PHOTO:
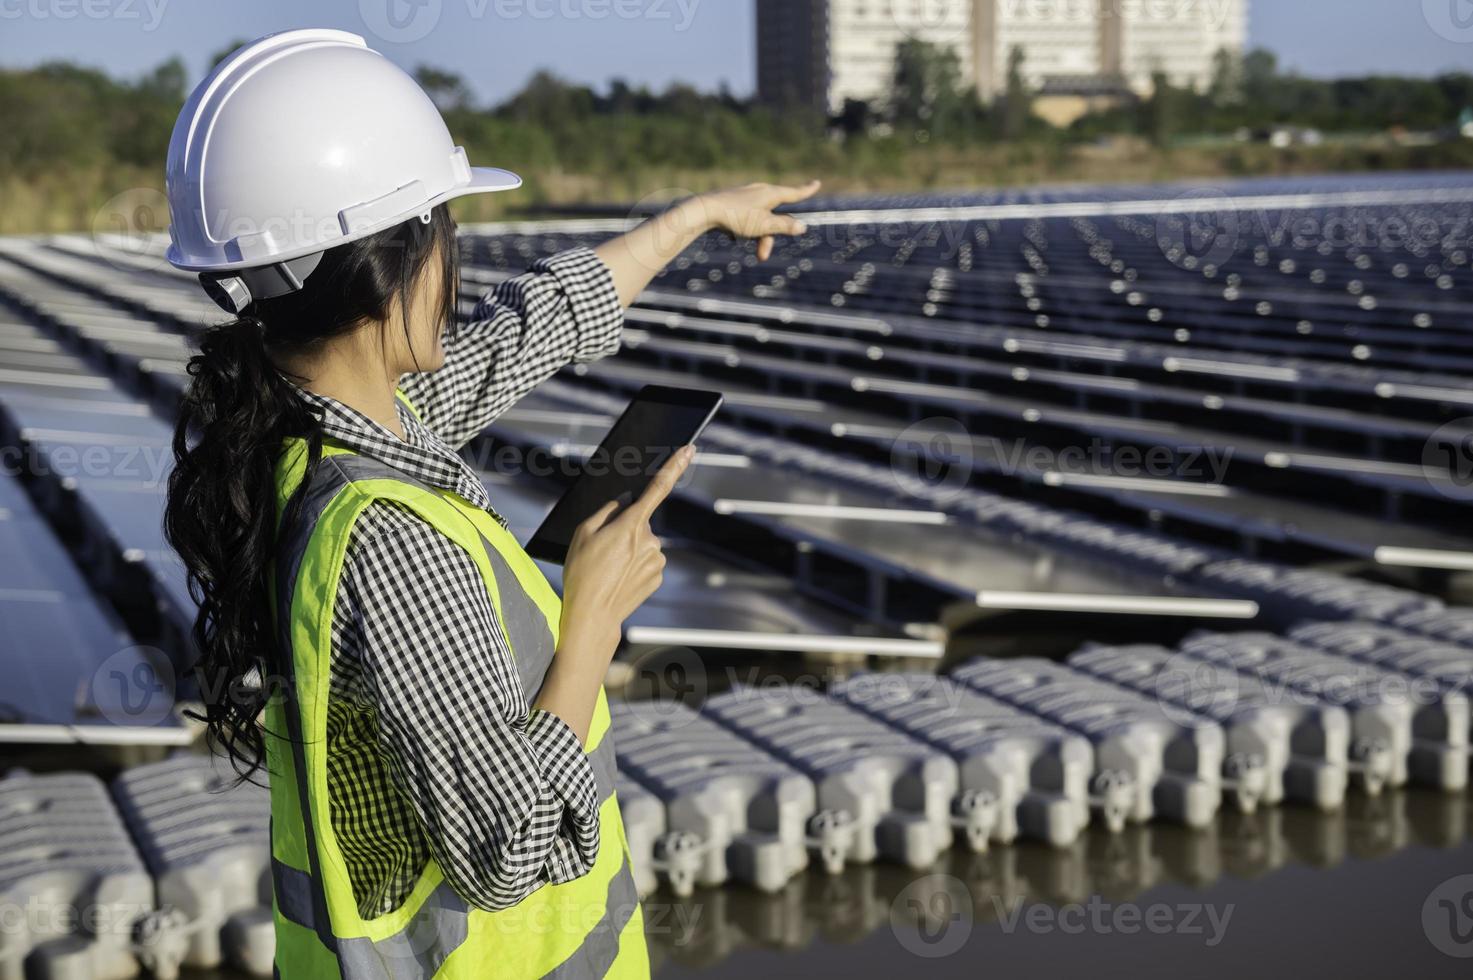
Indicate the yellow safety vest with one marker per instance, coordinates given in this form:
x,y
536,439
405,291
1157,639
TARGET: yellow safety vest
x,y
588,927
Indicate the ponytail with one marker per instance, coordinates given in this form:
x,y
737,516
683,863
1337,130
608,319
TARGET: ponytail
x,y
238,410
221,518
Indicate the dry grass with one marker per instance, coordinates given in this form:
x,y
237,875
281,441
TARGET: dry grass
x,y
89,199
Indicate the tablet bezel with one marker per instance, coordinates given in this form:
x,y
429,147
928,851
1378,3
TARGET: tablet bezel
x,y
556,552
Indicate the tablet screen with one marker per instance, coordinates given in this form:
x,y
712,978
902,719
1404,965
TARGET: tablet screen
x,y
656,424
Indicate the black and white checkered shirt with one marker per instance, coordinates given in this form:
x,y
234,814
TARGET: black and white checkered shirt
x,y
422,676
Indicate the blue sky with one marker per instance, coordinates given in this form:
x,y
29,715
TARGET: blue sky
x,y
496,44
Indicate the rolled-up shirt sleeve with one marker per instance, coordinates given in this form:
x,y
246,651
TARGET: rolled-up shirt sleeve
x,y
565,310
505,795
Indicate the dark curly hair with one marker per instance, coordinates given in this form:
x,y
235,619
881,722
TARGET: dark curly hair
x,y
236,413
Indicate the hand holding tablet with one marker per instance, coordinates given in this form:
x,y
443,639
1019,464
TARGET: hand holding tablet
x,y
658,422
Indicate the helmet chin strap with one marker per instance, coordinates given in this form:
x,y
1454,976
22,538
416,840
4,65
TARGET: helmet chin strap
x,y
234,291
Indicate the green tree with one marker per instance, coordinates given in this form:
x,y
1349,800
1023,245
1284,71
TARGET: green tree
x,y
623,100
1226,87
856,118
549,100
446,89
143,118
1017,100
1260,74
1165,110
166,82
227,51
927,94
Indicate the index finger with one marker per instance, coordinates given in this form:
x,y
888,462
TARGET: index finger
x,y
792,195
663,483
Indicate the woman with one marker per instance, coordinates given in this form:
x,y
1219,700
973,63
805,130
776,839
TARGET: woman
x,y
441,781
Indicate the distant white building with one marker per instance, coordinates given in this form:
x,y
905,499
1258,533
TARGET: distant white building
x,y
1178,37
863,36
819,53
1058,38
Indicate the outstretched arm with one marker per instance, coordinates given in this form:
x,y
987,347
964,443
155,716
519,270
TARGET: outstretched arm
x,y
569,308
637,257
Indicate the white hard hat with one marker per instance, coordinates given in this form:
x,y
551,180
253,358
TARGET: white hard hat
x,y
298,142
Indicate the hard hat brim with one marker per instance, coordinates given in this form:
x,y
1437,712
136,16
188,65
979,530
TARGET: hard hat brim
x,y
485,180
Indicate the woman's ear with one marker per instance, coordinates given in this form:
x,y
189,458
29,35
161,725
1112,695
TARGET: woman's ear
x,y
424,327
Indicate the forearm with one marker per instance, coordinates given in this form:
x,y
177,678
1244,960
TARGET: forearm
x,y
635,258
507,797
522,332
570,689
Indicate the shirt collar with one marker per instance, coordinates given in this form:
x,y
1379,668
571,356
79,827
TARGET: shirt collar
x,y
421,454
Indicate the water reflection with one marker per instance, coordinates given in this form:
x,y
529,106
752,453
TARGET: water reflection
x,y
712,925
815,918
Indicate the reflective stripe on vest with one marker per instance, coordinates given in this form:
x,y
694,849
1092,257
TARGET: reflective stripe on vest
x,y
442,925
585,928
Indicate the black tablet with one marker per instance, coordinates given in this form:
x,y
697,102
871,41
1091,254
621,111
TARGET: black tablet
x,y
658,423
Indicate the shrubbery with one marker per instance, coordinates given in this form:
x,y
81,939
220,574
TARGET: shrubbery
x,y
72,137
